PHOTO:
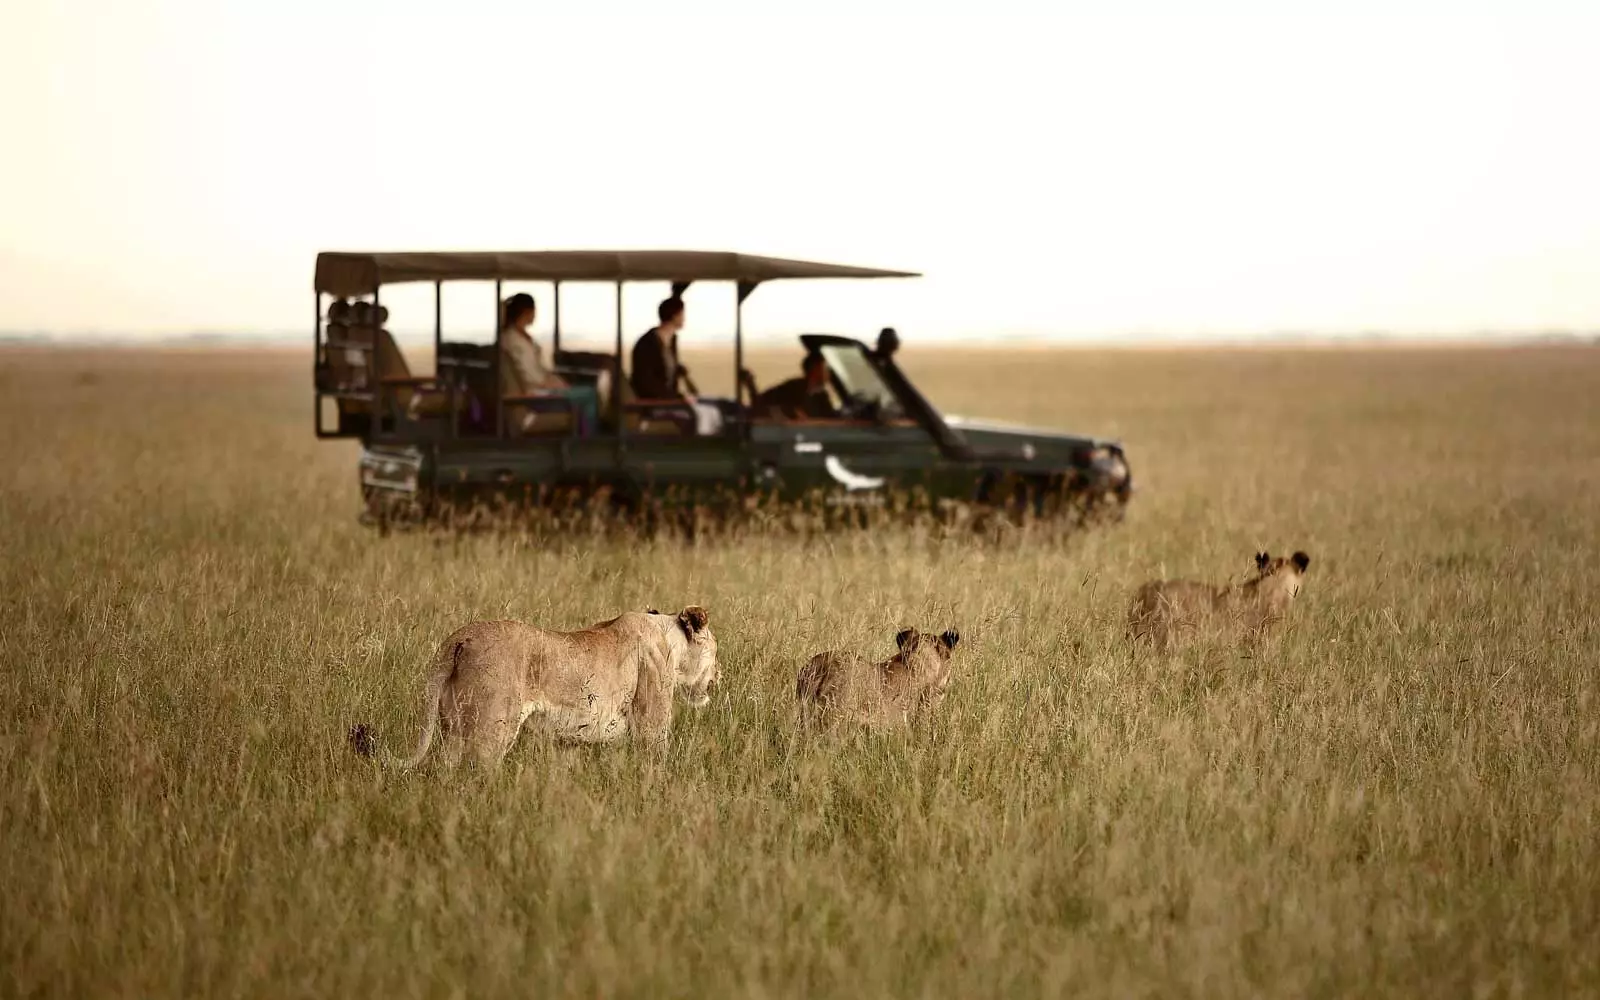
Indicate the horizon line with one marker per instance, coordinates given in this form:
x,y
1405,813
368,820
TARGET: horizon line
x,y
1368,338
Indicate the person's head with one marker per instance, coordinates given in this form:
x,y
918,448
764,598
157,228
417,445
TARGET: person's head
x,y
670,313
520,310
888,342
815,367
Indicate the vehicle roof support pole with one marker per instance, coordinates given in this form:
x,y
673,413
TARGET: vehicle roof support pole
x,y
499,323
316,364
555,338
744,290
372,366
616,383
452,383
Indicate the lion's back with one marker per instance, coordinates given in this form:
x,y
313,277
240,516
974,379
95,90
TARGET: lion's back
x,y
1161,606
1171,597
482,646
485,650
839,686
816,677
827,678
630,628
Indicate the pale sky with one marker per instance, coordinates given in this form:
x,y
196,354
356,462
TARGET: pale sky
x,y
1222,168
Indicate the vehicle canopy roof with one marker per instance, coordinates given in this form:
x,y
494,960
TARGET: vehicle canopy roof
x,y
355,274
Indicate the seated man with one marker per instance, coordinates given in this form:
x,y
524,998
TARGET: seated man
x,y
803,398
656,371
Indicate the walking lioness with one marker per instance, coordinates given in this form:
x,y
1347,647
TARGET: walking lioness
x,y
590,686
836,686
1164,608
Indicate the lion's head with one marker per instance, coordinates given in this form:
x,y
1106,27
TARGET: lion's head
x,y
927,656
1280,578
698,670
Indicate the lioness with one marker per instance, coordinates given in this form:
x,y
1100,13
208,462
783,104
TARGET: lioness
x,y
589,686
879,695
1163,608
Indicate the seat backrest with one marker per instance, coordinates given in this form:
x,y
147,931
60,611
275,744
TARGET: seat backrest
x,y
391,363
585,360
477,381
345,360
345,353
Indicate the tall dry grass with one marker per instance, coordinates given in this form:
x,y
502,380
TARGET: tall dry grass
x,y
1398,797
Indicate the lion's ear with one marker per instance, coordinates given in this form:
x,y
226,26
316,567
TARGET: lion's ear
x,y
694,619
651,611
950,639
1262,559
1301,561
904,638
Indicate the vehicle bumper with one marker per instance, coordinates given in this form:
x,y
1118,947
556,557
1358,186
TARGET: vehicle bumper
x,y
1110,472
391,470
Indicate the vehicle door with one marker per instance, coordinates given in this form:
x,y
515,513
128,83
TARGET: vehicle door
x,y
871,450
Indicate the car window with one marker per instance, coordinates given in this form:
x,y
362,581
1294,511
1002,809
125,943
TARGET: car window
x,y
862,384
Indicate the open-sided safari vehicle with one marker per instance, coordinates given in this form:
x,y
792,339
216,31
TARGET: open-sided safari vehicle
x,y
431,443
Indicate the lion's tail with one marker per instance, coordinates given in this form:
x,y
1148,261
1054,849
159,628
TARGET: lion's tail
x,y
445,664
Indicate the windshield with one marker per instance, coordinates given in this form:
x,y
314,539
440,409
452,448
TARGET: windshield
x,y
863,387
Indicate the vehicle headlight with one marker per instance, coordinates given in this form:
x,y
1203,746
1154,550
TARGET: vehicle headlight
x,y
1109,462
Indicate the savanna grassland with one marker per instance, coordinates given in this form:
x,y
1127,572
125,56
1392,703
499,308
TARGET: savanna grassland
x,y
1400,796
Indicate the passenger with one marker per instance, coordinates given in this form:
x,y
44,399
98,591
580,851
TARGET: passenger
x,y
803,398
522,367
656,370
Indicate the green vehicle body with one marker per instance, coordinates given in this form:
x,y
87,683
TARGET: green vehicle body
x,y
891,446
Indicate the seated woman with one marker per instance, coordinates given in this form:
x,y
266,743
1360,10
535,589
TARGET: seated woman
x,y
524,373
803,398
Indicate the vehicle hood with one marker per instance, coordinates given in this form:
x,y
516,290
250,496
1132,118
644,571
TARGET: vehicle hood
x,y
988,434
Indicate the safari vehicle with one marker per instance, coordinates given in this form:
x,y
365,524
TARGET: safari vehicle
x,y
431,443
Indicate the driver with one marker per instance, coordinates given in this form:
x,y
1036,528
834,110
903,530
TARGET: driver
x,y
888,343
803,398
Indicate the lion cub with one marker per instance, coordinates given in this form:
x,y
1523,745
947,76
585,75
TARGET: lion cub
x,y
1164,608
835,686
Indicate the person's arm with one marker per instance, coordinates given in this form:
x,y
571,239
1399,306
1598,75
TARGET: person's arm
x,y
683,373
747,383
528,361
520,375
781,402
548,379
